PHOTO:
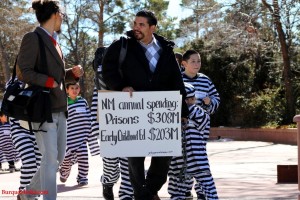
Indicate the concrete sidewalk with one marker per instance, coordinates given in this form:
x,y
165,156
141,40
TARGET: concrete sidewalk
x,y
242,170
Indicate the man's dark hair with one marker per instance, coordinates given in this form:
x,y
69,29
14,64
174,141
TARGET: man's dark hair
x,y
44,9
152,20
188,54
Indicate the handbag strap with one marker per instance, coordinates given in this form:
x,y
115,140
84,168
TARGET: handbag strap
x,y
43,69
14,71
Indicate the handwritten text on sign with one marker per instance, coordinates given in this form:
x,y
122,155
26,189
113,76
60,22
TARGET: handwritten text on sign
x,y
146,124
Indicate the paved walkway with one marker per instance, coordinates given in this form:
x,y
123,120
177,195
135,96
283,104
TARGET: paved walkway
x,y
242,171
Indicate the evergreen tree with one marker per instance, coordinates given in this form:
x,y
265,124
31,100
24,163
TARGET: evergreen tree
x,y
15,22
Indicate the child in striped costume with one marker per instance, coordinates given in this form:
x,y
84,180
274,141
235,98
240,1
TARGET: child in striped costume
x,y
79,125
112,167
8,153
206,94
25,143
194,160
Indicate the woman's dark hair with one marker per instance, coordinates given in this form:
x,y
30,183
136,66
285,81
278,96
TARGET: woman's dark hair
x,y
44,9
152,20
188,54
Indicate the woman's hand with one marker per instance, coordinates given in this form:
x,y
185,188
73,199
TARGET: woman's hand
x,y
77,71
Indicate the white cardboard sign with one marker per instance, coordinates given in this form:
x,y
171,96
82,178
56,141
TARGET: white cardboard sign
x,y
146,124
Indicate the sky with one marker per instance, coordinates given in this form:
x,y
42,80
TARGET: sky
x,y
174,10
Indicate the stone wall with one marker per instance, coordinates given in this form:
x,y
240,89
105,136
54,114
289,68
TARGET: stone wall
x,y
281,136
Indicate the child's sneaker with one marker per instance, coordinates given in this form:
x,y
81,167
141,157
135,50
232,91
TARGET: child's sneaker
x,y
82,183
61,178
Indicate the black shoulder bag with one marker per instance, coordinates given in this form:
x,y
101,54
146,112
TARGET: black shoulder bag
x,y
32,103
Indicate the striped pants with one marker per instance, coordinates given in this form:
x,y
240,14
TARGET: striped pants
x,y
204,186
25,143
198,187
112,167
81,156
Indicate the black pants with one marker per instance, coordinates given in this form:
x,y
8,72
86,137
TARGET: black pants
x,y
146,188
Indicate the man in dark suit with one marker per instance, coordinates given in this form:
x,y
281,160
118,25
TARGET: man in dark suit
x,y
150,65
50,137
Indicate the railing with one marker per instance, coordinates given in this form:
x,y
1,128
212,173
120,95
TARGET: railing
x,y
297,120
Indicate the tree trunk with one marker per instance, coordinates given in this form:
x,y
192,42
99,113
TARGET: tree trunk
x,y
4,63
101,24
287,75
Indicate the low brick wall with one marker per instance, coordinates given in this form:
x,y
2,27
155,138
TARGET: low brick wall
x,y
281,136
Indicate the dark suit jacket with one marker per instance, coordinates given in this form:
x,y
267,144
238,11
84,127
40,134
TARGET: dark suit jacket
x,y
29,56
135,70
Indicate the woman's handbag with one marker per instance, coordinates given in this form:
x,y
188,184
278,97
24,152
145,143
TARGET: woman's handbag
x,y
31,104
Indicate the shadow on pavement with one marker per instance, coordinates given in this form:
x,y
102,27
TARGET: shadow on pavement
x,y
61,188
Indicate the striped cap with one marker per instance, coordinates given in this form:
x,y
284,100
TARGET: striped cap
x,y
190,90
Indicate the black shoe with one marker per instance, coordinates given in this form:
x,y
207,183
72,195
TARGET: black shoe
x,y
108,193
201,196
156,197
188,196
12,169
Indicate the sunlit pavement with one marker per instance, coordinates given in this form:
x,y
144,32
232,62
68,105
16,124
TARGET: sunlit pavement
x,y
242,170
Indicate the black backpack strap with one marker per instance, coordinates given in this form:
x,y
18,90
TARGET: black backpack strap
x,y
99,55
123,52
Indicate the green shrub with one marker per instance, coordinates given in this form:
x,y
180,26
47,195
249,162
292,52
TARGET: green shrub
x,y
264,108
